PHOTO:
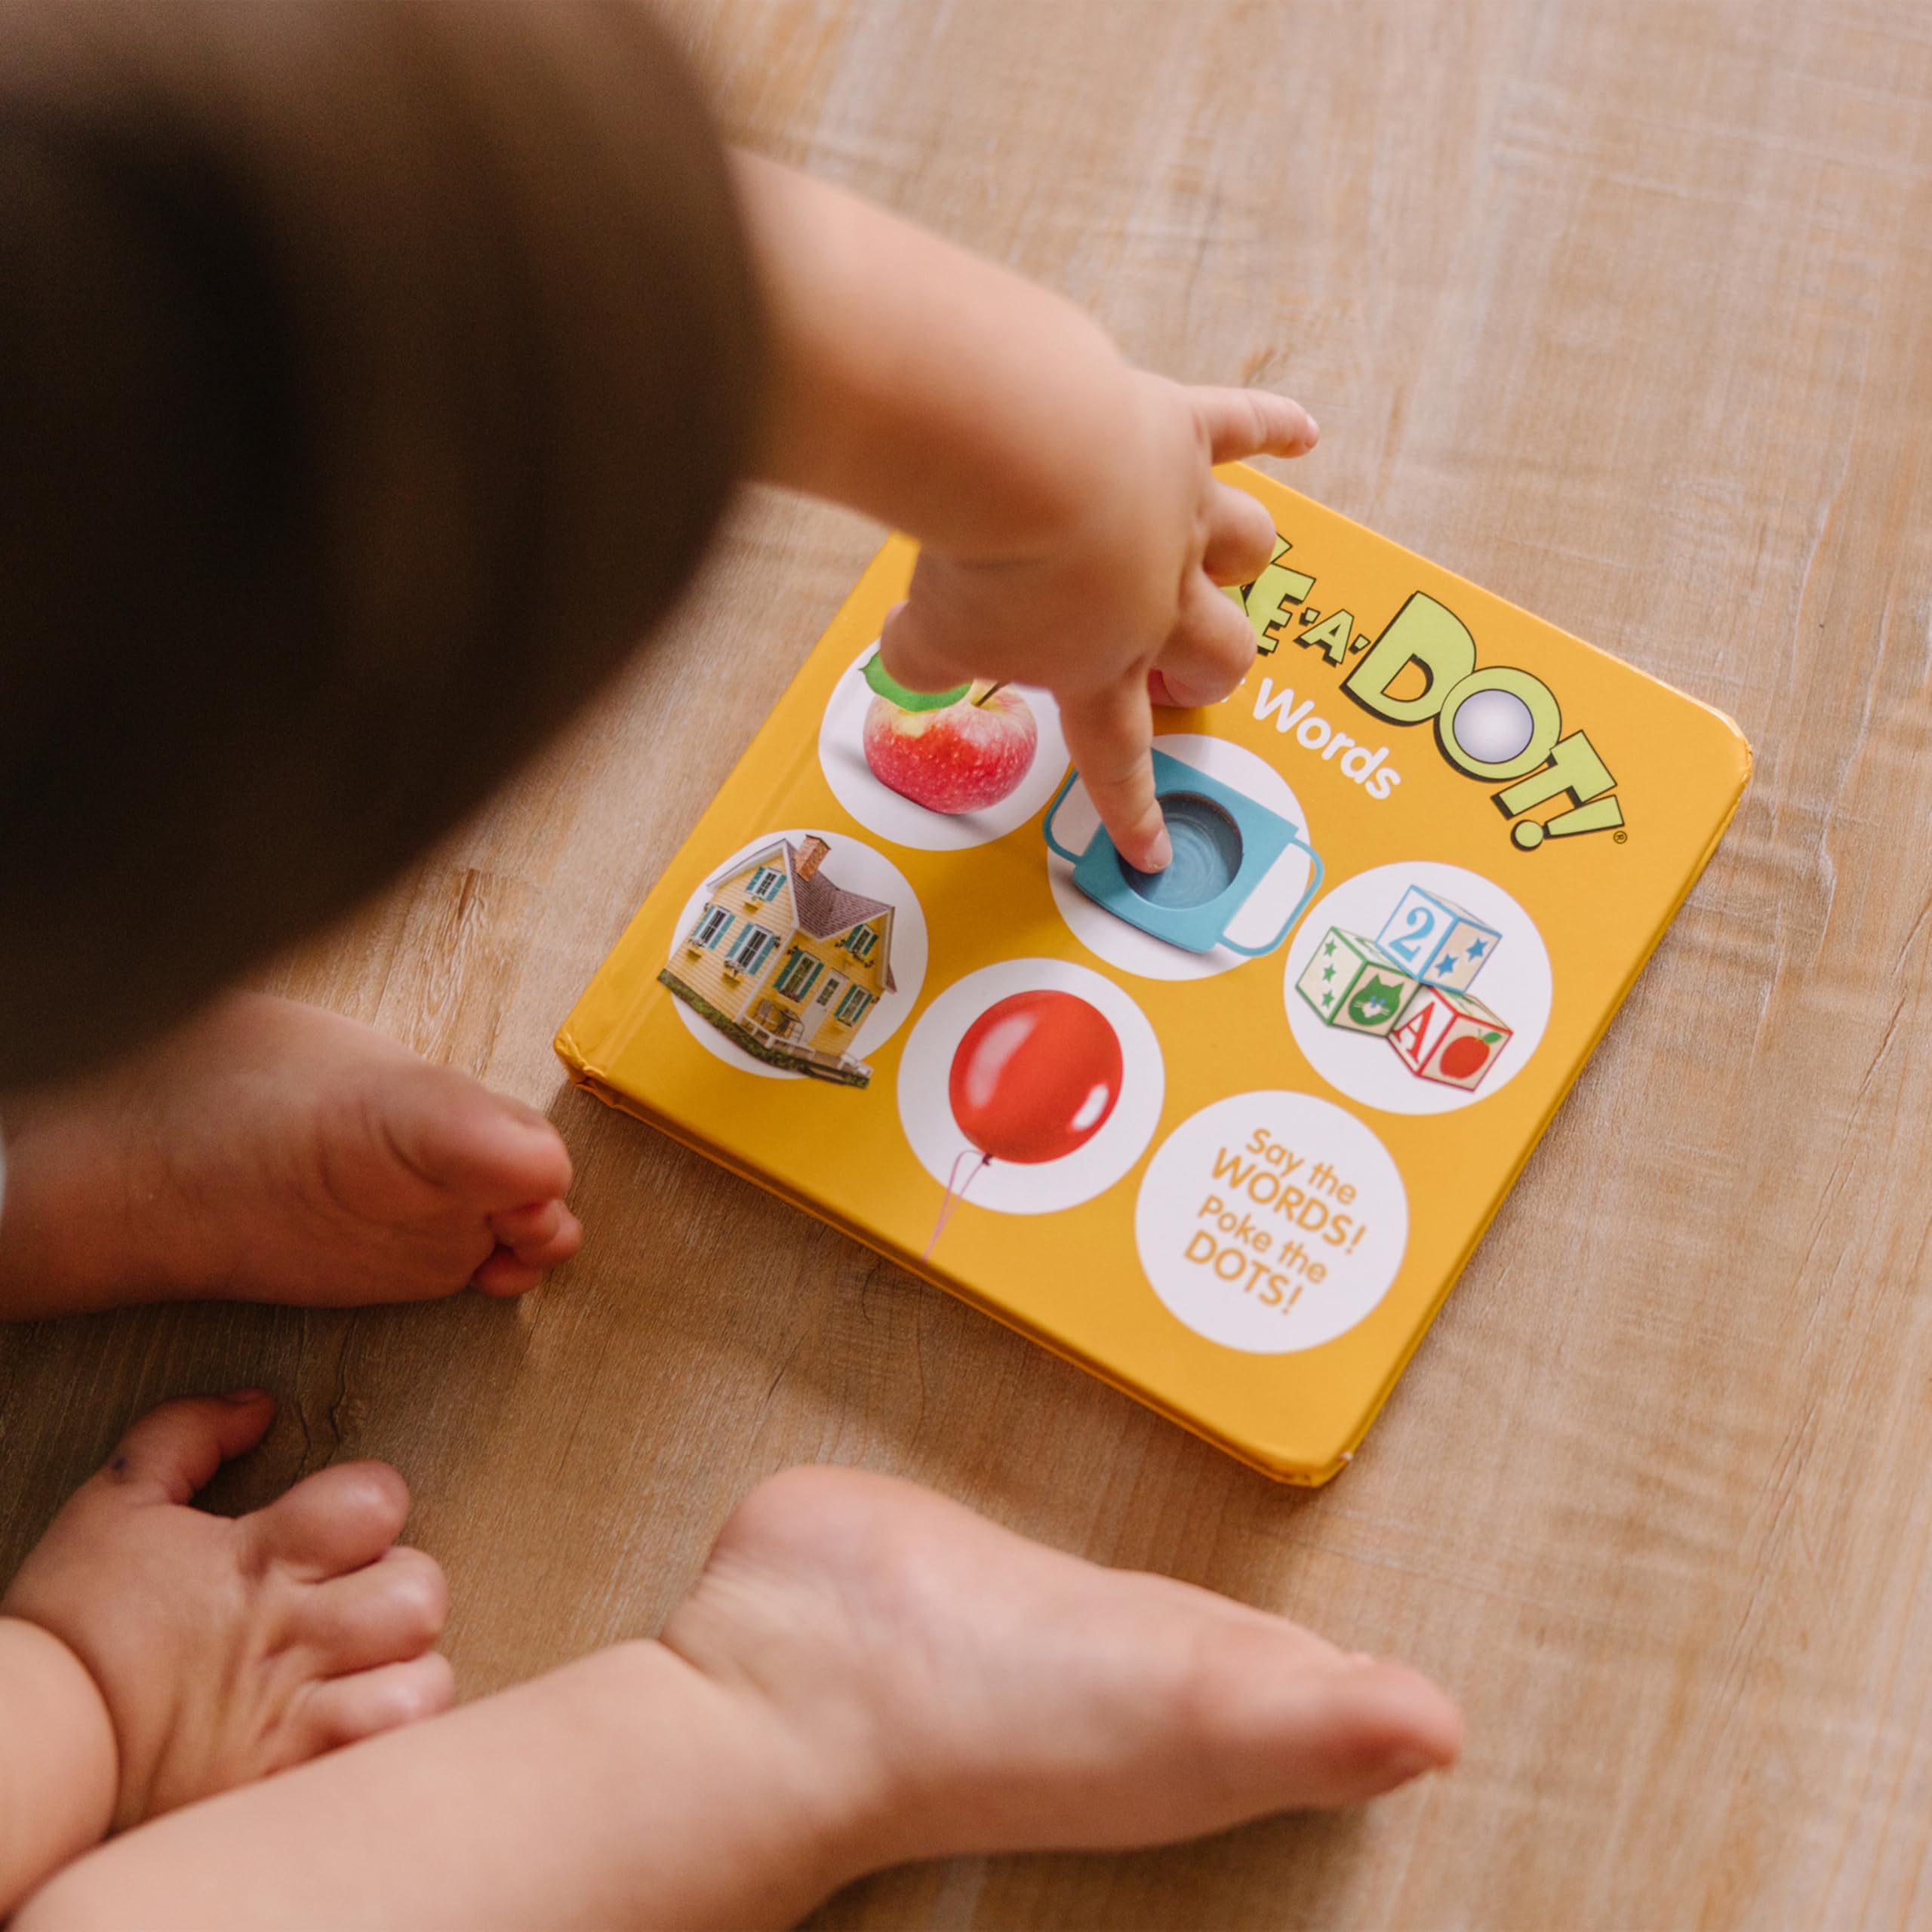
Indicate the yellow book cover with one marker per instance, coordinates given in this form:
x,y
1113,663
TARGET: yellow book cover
x,y
1225,1135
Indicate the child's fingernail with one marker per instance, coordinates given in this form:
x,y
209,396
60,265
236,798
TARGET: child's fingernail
x,y
241,1398
1314,428
1160,852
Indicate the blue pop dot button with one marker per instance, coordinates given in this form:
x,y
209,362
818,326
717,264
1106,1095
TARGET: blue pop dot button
x,y
1208,853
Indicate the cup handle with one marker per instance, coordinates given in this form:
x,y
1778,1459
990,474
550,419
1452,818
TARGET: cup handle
x,y
1294,918
1047,825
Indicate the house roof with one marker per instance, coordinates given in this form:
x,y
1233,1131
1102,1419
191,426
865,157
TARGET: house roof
x,y
824,907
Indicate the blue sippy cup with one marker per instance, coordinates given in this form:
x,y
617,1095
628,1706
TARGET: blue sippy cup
x,y
1224,845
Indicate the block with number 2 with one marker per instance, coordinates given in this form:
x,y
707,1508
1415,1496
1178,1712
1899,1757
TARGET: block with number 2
x,y
1437,941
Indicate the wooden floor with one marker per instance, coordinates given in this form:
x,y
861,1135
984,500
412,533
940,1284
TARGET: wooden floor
x,y
1625,310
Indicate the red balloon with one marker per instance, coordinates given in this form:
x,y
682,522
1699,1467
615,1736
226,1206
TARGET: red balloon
x,y
1035,1077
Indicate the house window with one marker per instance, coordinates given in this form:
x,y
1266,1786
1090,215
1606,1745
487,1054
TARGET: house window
x,y
713,927
830,990
860,942
755,946
763,884
852,1006
794,979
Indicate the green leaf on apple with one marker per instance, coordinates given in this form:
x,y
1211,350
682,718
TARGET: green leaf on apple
x,y
1490,1039
889,687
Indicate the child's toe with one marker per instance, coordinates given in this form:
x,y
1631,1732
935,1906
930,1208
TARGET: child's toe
x,y
543,1233
529,1240
1349,1730
388,1612
333,1521
526,1229
346,1709
562,1240
507,1273
566,1241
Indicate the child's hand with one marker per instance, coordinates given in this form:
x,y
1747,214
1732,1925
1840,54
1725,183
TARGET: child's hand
x,y
222,1648
1118,609
1072,531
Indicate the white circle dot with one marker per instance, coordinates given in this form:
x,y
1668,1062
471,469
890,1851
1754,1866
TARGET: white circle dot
x,y
1493,726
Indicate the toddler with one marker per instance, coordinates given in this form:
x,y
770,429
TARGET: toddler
x,y
371,377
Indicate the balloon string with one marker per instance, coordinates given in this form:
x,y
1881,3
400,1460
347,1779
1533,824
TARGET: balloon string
x,y
956,1192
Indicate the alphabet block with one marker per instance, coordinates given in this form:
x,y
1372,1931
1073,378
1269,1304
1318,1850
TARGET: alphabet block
x,y
1353,984
1450,1037
1436,942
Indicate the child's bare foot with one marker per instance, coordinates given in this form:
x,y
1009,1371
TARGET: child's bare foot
x,y
963,1689
863,1674
226,1649
274,1151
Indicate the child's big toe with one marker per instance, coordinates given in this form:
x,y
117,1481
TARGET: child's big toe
x,y
387,1613
1373,1726
487,1145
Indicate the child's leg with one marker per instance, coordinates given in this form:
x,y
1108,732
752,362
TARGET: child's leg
x,y
864,1674
271,1151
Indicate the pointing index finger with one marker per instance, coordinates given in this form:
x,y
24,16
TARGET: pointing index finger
x,y
1242,423
1109,733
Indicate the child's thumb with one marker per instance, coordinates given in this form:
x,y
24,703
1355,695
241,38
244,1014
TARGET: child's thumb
x,y
174,1450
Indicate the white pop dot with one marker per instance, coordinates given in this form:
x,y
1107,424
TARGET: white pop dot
x,y
1493,726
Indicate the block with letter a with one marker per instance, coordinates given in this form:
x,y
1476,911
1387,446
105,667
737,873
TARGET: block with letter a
x,y
1450,1037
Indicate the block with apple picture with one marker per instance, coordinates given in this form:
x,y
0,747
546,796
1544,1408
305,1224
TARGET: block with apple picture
x,y
951,752
1449,1037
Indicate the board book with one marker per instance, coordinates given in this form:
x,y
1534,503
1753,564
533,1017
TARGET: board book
x,y
1226,1135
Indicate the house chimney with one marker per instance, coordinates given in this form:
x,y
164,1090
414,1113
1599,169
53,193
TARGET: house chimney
x,y
811,856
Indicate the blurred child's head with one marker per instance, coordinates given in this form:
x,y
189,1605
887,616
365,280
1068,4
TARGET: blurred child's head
x,y
365,397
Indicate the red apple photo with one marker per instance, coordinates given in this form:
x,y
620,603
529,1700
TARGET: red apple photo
x,y
951,752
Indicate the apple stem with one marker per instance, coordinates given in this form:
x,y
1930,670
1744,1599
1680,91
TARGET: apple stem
x,y
991,690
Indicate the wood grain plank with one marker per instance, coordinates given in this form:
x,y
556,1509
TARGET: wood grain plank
x,y
1623,307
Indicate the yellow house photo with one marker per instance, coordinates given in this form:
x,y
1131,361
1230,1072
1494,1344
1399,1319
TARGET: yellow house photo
x,y
786,963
